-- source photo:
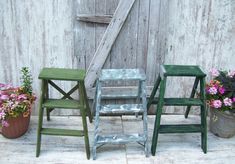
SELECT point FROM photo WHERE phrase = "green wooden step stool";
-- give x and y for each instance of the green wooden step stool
(66, 102)
(179, 70)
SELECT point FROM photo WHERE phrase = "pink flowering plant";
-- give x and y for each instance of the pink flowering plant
(220, 91)
(15, 101)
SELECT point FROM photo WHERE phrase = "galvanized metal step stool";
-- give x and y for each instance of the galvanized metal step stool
(66, 102)
(139, 108)
(179, 70)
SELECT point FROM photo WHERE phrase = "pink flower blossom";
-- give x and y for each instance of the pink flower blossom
(8, 86)
(216, 86)
(216, 104)
(227, 101)
(212, 90)
(234, 99)
(221, 90)
(214, 72)
(22, 97)
(231, 73)
(3, 92)
(2, 115)
(13, 95)
(4, 97)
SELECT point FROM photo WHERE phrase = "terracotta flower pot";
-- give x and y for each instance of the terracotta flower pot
(222, 124)
(17, 127)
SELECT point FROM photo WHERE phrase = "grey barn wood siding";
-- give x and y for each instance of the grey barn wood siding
(38, 33)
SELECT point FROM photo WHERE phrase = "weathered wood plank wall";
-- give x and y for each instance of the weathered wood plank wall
(40, 33)
(199, 32)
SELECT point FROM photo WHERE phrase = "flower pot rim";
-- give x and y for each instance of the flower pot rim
(225, 114)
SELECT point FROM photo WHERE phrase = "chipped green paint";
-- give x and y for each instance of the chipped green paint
(177, 70)
(66, 102)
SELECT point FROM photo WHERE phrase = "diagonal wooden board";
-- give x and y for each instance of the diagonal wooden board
(107, 41)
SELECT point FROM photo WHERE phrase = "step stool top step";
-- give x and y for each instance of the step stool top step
(121, 108)
(121, 138)
(122, 74)
(62, 74)
(182, 70)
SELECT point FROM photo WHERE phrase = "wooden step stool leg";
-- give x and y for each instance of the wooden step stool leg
(88, 110)
(97, 108)
(203, 116)
(40, 119)
(153, 93)
(192, 96)
(48, 114)
(138, 97)
(158, 116)
(47, 97)
(95, 135)
(83, 113)
(86, 138)
(94, 100)
(145, 117)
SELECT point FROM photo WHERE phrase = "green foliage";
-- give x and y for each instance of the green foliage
(26, 80)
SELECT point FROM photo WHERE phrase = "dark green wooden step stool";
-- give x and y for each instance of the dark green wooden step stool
(66, 102)
(179, 70)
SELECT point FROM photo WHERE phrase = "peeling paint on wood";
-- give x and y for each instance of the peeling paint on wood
(139, 107)
(41, 33)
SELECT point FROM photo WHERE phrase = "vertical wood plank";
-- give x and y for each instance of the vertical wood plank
(100, 8)
(143, 27)
(107, 41)
(111, 6)
(85, 42)
(124, 50)
(153, 56)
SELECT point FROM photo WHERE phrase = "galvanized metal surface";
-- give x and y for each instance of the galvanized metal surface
(125, 75)
(123, 108)
(122, 74)
(120, 138)
(222, 124)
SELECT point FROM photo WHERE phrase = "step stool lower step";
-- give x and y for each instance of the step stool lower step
(120, 139)
(180, 102)
(61, 103)
(192, 128)
(62, 132)
(121, 108)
